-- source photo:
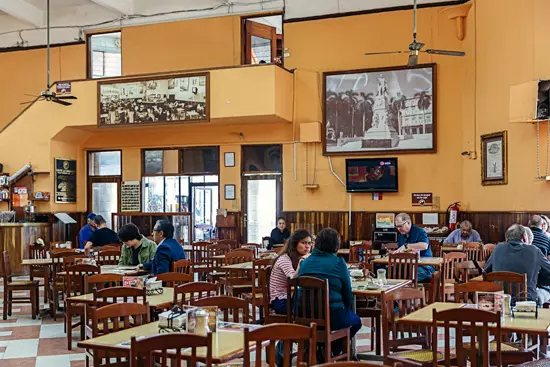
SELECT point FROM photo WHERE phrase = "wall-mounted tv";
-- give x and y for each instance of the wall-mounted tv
(371, 175)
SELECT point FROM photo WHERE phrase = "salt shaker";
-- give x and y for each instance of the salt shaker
(382, 275)
(201, 322)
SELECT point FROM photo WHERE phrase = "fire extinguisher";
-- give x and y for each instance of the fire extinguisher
(453, 214)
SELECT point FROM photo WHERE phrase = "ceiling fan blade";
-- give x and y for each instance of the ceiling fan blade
(413, 60)
(386, 53)
(445, 52)
(30, 95)
(65, 97)
(61, 102)
(27, 102)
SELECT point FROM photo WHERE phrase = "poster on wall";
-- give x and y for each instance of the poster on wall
(494, 158)
(385, 220)
(182, 98)
(65, 180)
(130, 196)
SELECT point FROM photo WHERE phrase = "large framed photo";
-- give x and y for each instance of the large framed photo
(494, 158)
(380, 110)
(147, 101)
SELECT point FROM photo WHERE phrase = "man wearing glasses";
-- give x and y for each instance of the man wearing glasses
(416, 239)
(168, 249)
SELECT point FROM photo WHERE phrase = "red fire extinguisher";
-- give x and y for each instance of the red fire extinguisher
(453, 215)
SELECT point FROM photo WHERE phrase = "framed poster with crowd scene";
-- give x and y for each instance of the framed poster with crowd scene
(154, 100)
(380, 110)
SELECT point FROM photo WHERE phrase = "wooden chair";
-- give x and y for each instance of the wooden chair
(217, 249)
(408, 300)
(75, 285)
(473, 251)
(256, 297)
(357, 364)
(435, 245)
(449, 278)
(112, 318)
(173, 279)
(364, 249)
(404, 266)
(227, 305)
(468, 269)
(60, 260)
(40, 271)
(112, 295)
(487, 250)
(182, 266)
(514, 284)
(101, 281)
(199, 259)
(108, 257)
(289, 333)
(11, 286)
(390, 246)
(233, 244)
(310, 304)
(465, 293)
(111, 247)
(237, 281)
(191, 292)
(432, 291)
(270, 317)
(153, 351)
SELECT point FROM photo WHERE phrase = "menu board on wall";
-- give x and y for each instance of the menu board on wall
(130, 196)
(65, 180)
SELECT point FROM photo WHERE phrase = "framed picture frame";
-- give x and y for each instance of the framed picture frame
(154, 100)
(229, 159)
(380, 111)
(229, 192)
(494, 158)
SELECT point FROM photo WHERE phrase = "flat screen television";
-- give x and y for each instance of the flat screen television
(371, 175)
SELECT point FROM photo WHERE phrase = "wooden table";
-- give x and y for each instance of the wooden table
(31, 262)
(451, 249)
(241, 266)
(227, 344)
(423, 261)
(116, 269)
(346, 251)
(156, 301)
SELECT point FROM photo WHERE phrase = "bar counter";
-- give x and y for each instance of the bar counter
(15, 238)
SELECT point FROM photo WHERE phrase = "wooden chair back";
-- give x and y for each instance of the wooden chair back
(118, 316)
(357, 364)
(404, 266)
(473, 323)
(390, 246)
(6, 268)
(61, 259)
(309, 302)
(173, 279)
(101, 281)
(407, 301)
(183, 266)
(304, 336)
(237, 307)
(38, 252)
(487, 250)
(111, 247)
(257, 267)
(270, 317)
(514, 284)
(75, 276)
(473, 251)
(435, 245)
(217, 250)
(450, 266)
(119, 294)
(468, 269)
(108, 257)
(186, 294)
(238, 276)
(159, 349)
(465, 293)
(199, 254)
(364, 250)
(434, 288)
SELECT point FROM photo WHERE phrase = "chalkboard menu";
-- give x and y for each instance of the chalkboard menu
(65, 180)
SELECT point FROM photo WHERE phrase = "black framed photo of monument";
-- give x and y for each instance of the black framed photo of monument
(154, 100)
(494, 158)
(371, 111)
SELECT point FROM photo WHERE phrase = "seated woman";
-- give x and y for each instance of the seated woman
(324, 264)
(278, 235)
(285, 266)
(136, 249)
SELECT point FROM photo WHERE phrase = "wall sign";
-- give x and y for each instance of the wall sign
(65, 180)
(229, 191)
(130, 195)
(63, 88)
(385, 220)
(422, 199)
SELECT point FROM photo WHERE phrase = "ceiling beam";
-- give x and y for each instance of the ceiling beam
(24, 11)
(125, 7)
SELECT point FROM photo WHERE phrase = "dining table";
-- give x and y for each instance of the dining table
(423, 261)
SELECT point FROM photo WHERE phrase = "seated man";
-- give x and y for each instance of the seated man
(464, 233)
(518, 256)
(168, 249)
(540, 240)
(102, 235)
(137, 249)
(416, 239)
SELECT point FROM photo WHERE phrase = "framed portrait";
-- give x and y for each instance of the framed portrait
(494, 158)
(154, 100)
(386, 110)
(229, 192)
(229, 159)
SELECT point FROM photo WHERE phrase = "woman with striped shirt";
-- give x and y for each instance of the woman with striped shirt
(285, 266)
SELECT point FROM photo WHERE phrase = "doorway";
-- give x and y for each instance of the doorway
(263, 40)
(204, 199)
(105, 198)
(262, 197)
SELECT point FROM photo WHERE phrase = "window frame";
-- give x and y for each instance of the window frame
(216, 147)
(244, 40)
(89, 67)
(89, 176)
(253, 173)
(91, 179)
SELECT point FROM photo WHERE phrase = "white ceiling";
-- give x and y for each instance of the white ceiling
(22, 22)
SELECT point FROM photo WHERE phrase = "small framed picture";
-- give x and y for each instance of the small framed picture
(494, 159)
(229, 159)
(229, 192)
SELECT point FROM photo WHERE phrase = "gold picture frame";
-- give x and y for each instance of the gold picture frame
(494, 158)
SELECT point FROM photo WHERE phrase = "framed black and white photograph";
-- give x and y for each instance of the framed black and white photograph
(380, 110)
(229, 192)
(229, 159)
(151, 101)
(494, 158)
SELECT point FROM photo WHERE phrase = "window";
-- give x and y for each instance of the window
(262, 158)
(263, 40)
(167, 194)
(160, 162)
(199, 160)
(107, 163)
(104, 55)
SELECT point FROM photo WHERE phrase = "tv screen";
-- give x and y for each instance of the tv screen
(371, 175)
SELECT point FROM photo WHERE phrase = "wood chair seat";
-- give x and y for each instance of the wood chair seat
(11, 285)
(493, 347)
(23, 283)
(250, 295)
(421, 355)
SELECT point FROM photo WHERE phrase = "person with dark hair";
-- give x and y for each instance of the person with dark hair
(102, 236)
(278, 235)
(86, 231)
(285, 266)
(168, 249)
(324, 264)
(137, 248)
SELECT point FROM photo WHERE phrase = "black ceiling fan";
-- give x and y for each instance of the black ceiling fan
(47, 94)
(416, 47)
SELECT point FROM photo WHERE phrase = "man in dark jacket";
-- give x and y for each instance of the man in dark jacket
(168, 249)
(539, 238)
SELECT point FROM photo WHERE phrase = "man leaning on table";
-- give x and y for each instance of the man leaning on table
(464, 233)
(416, 239)
(168, 249)
(137, 248)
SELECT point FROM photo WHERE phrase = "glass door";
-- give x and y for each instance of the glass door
(205, 204)
(105, 200)
(262, 204)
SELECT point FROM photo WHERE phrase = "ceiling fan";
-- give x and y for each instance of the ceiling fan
(47, 94)
(416, 47)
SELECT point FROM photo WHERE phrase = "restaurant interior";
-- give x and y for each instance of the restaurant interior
(274, 183)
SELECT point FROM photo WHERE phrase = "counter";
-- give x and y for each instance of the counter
(15, 238)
